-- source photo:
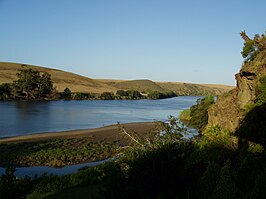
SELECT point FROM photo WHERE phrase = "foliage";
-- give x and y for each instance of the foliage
(5, 91)
(134, 94)
(226, 187)
(208, 180)
(159, 95)
(13, 188)
(199, 113)
(155, 95)
(122, 93)
(184, 116)
(107, 96)
(66, 94)
(249, 50)
(216, 136)
(129, 95)
(32, 84)
(253, 46)
(82, 96)
(56, 153)
(253, 126)
(261, 92)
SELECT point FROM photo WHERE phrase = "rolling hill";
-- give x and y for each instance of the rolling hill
(78, 83)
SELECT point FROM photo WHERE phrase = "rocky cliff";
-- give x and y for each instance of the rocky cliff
(230, 109)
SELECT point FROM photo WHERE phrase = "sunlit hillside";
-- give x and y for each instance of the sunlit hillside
(78, 83)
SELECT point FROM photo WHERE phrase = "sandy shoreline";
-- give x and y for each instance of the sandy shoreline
(110, 132)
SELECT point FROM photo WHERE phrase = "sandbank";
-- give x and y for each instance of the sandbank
(106, 133)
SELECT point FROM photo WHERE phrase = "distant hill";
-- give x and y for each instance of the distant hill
(140, 85)
(78, 83)
(61, 79)
(188, 88)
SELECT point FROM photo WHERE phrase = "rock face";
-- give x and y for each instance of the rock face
(245, 89)
(229, 110)
(226, 113)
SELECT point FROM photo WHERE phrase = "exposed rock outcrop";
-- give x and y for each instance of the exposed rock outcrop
(229, 110)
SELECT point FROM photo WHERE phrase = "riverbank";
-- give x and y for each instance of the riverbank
(106, 133)
(59, 149)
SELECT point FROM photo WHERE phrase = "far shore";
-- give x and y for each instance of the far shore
(107, 133)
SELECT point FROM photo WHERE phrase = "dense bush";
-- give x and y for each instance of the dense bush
(197, 115)
(159, 95)
(122, 93)
(184, 116)
(67, 94)
(5, 91)
(107, 96)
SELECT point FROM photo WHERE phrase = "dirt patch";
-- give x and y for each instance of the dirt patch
(108, 133)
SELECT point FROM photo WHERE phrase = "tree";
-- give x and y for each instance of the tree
(122, 93)
(107, 96)
(133, 94)
(7, 183)
(252, 46)
(32, 84)
(67, 93)
(45, 85)
(5, 91)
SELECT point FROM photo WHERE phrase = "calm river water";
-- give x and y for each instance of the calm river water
(21, 117)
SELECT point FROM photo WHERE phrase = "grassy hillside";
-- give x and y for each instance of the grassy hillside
(188, 88)
(61, 79)
(140, 85)
(78, 83)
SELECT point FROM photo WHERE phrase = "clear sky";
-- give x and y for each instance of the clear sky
(163, 40)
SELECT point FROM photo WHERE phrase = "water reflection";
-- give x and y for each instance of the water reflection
(39, 170)
(21, 117)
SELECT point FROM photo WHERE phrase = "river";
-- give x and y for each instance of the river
(22, 117)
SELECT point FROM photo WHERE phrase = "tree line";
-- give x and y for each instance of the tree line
(35, 85)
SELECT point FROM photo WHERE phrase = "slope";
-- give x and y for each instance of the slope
(78, 83)
(61, 79)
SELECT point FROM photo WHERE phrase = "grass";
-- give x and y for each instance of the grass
(57, 153)
(78, 83)
(140, 85)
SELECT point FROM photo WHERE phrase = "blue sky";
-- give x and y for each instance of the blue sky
(163, 40)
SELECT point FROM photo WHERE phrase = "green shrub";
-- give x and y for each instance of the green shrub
(66, 94)
(184, 116)
(122, 93)
(107, 96)
(199, 113)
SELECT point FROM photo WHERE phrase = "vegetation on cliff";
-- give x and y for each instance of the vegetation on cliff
(197, 115)
(230, 109)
